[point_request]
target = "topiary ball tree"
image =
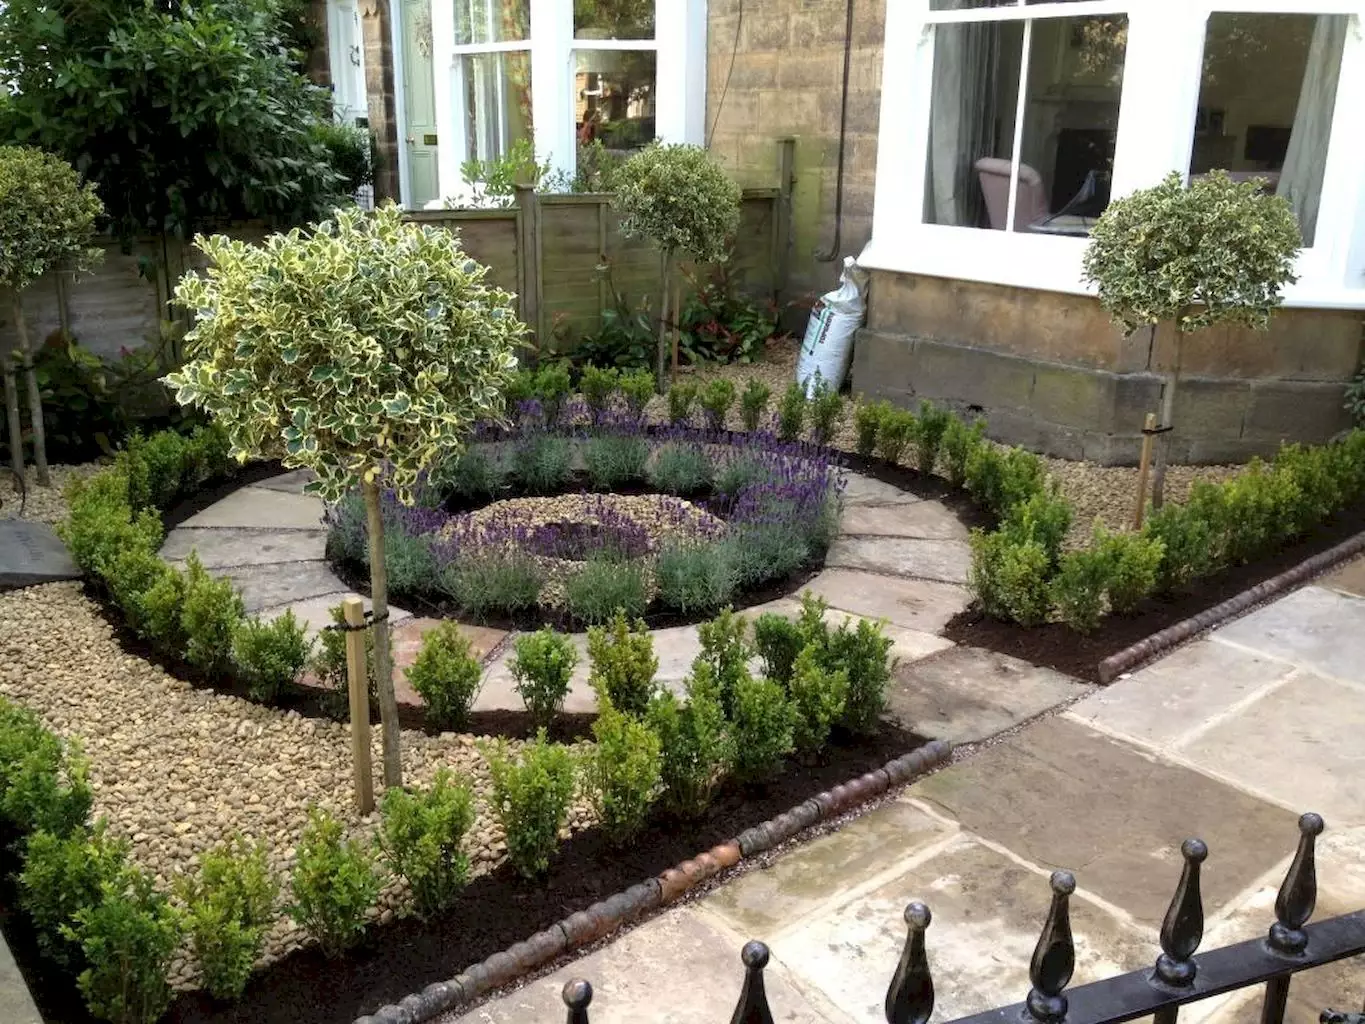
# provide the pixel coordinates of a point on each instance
(364, 350)
(1217, 251)
(47, 224)
(679, 198)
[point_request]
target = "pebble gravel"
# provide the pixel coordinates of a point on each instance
(42, 504)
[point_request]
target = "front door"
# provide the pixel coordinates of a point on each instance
(419, 95)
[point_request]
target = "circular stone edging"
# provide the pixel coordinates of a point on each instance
(606, 916)
(1161, 642)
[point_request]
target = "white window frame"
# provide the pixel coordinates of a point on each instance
(1155, 135)
(680, 83)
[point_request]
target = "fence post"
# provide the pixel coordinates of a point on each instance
(358, 685)
(528, 262)
(782, 216)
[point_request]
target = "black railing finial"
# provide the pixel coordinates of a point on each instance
(753, 1000)
(910, 999)
(1054, 958)
(1298, 893)
(1183, 927)
(577, 995)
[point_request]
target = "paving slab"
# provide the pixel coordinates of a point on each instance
(1348, 579)
(864, 490)
(782, 895)
(1179, 695)
(925, 605)
(315, 612)
(907, 645)
(16, 1004)
(1302, 741)
(1320, 629)
(946, 561)
(927, 519)
(407, 643)
(1061, 795)
(266, 586)
(967, 694)
(678, 968)
(987, 911)
(261, 508)
(220, 547)
(292, 482)
(31, 553)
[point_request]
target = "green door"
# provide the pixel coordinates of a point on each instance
(419, 95)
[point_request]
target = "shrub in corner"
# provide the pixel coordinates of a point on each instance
(446, 675)
(623, 663)
(697, 747)
(542, 668)
(763, 722)
(621, 774)
(422, 836)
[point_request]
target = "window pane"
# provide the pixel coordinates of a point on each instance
(492, 21)
(1070, 116)
(614, 19)
(497, 103)
(1265, 103)
(614, 97)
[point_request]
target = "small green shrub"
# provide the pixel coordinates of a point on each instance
(127, 940)
(161, 605)
(44, 783)
(270, 655)
(960, 440)
(1355, 398)
(862, 652)
(753, 403)
(102, 524)
(763, 722)
(61, 875)
(621, 775)
(616, 459)
(336, 882)
(1078, 589)
(623, 664)
(725, 648)
(598, 384)
(531, 798)
(329, 664)
(210, 616)
(1002, 480)
(895, 431)
(778, 640)
(229, 908)
(153, 466)
(696, 576)
(681, 468)
(681, 397)
(826, 413)
(1135, 562)
(130, 577)
(486, 584)
(446, 676)
(542, 463)
(637, 388)
(715, 399)
(1009, 576)
(791, 413)
(819, 698)
(933, 425)
(1045, 517)
(696, 746)
(552, 387)
(604, 586)
(867, 422)
(542, 669)
(422, 836)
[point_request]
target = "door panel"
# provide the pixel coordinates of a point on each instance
(419, 96)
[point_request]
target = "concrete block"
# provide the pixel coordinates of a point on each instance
(1283, 410)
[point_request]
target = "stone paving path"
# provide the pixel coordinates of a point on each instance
(1228, 738)
(897, 557)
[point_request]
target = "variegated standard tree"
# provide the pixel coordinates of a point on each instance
(364, 350)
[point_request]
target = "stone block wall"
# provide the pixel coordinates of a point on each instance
(777, 71)
(1050, 372)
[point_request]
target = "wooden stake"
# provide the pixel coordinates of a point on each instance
(358, 684)
(1144, 466)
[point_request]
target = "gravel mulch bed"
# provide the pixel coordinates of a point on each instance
(43, 504)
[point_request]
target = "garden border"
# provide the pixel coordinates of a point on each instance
(607, 916)
(1160, 642)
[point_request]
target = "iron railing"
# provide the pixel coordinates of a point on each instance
(1180, 976)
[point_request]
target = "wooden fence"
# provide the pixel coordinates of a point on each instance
(548, 249)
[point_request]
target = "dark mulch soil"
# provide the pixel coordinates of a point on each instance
(495, 911)
(1079, 654)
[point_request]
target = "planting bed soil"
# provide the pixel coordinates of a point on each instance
(1079, 654)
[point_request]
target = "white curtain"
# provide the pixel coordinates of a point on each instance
(962, 120)
(1301, 178)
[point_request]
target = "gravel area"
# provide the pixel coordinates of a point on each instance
(178, 770)
(43, 504)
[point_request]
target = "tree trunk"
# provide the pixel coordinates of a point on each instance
(383, 662)
(1163, 451)
(16, 428)
(35, 398)
(661, 350)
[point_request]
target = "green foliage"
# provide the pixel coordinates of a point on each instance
(933, 425)
(616, 459)
(210, 615)
(819, 698)
(1001, 480)
(598, 384)
(153, 466)
(553, 386)
(543, 669)
(485, 584)
(960, 441)
(623, 663)
(1009, 576)
(1115, 573)
(494, 182)
(1045, 517)
(826, 412)
(622, 773)
(47, 216)
(102, 523)
(681, 397)
(896, 428)
(127, 939)
(422, 834)
(1217, 251)
(1078, 589)
(862, 653)
(43, 783)
(695, 741)
(625, 339)
(681, 468)
(637, 388)
(60, 876)
(270, 655)
(335, 884)
(423, 353)
(695, 576)
(716, 398)
(542, 463)
(473, 474)
(778, 641)
(753, 403)
(133, 574)
(867, 423)
(161, 607)
(351, 153)
(1355, 399)
(791, 413)
(531, 798)
(229, 908)
(719, 323)
(726, 651)
(678, 197)
(604, 586)
(446, 676)
(1134, 562)
(764, 723)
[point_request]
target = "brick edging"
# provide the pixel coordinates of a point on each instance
(606, 916)
(1114, 665)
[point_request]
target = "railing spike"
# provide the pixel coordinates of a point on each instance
(577, 995)
(910, 998)
(1054, 958)
(753, 1000)
(1299, 891)
(1183, 927)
